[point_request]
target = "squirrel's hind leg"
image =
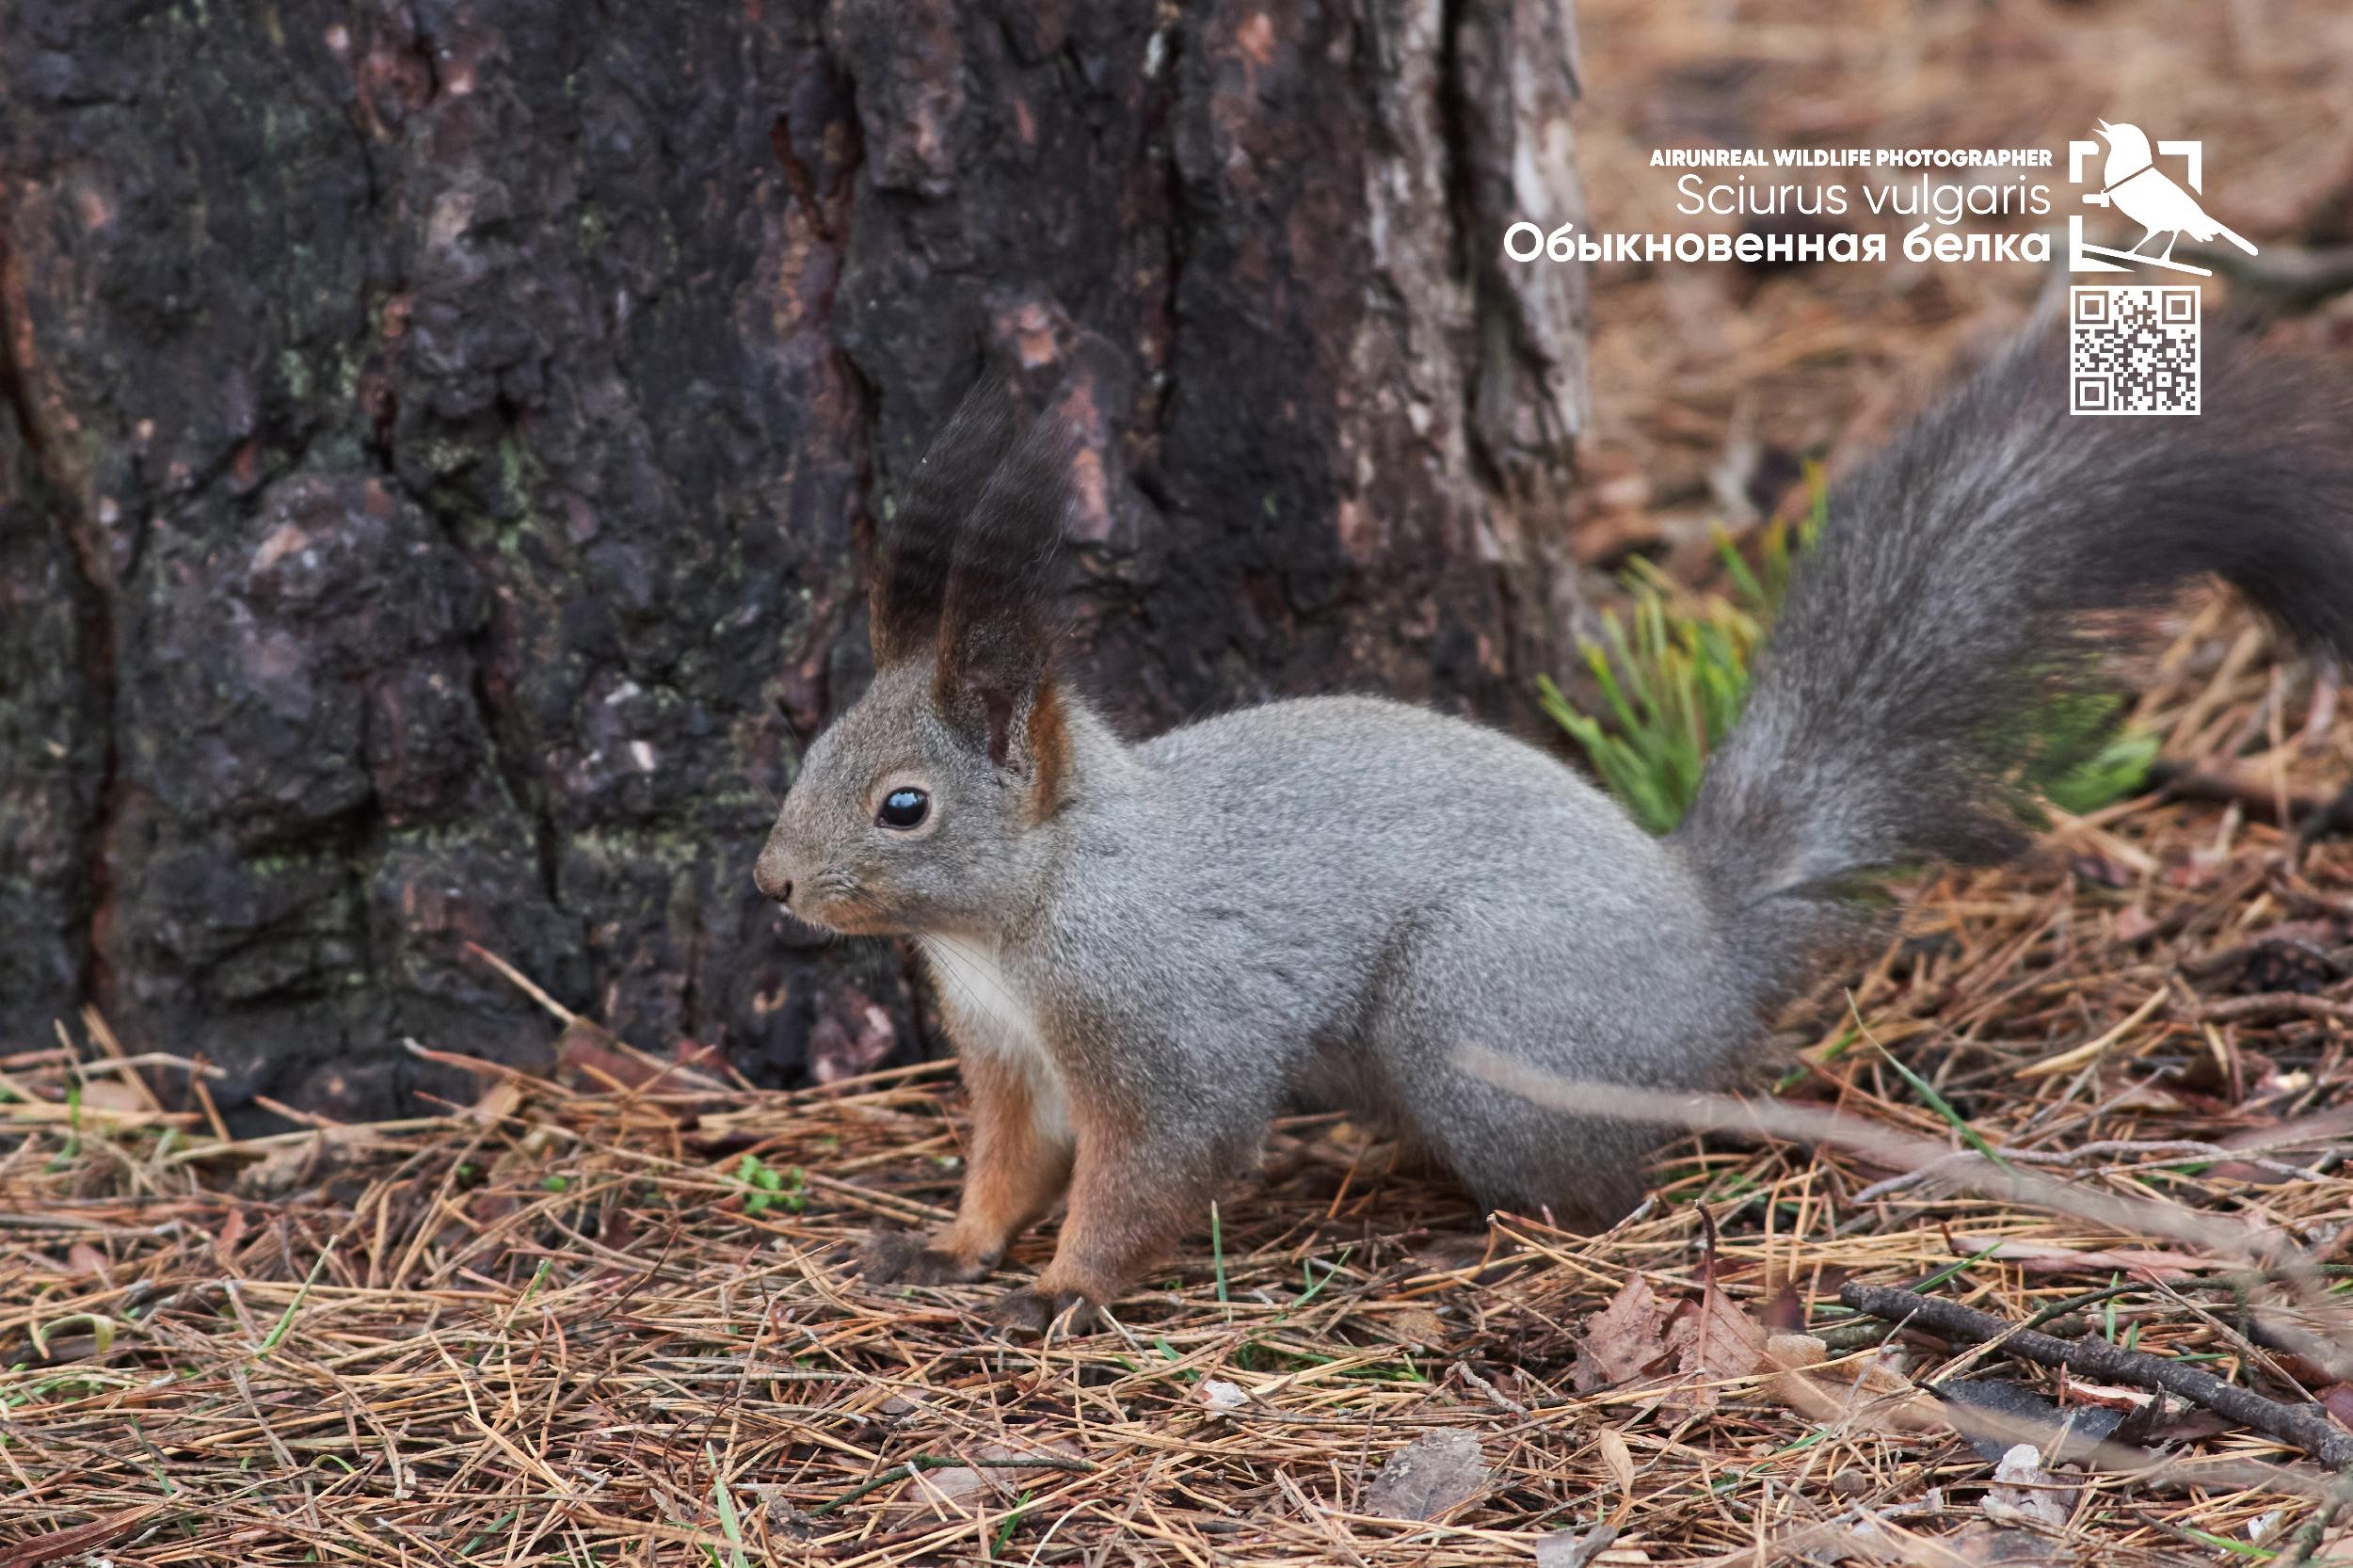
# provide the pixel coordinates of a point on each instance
(1496, 982)
(1016, 1166)
(1581, 1172)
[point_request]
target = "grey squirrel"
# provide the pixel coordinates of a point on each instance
(1142, 950)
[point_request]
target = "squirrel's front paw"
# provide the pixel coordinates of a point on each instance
(1033, 1311)
(900, 1257)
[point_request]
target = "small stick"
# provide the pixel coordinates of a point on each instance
(2264, 1005)
(679, 1074)
(524, 984)
(96, 1023)
(2307, 1429)
(2067, 1061)
(2258, 796)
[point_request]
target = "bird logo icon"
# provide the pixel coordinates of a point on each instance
(2142, 192)
(2132, 184)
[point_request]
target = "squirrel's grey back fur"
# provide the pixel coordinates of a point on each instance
(1142, 950)
(1333, 895)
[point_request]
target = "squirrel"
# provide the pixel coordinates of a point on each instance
(1143, 951)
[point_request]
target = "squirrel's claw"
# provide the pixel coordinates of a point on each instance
(1031, 1312)
(900, 1257)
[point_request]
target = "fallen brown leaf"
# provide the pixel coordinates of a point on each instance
(1624, 1339)
(1713, 1343)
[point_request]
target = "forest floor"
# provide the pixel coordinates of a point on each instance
(610, 1317)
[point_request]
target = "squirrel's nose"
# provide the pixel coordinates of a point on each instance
(768, 878)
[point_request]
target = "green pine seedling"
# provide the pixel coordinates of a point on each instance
(1673, 673)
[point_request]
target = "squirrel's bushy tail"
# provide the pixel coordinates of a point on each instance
(1902, 710)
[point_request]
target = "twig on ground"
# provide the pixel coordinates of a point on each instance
(2273, 1004)
(1948, 1320)
(523, 982)
(2261, 797)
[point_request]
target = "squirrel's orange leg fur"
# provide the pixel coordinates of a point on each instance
(1129, 1199)
(1013, 1171)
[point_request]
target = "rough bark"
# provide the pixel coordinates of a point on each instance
(442, 433)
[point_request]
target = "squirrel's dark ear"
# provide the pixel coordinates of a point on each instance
(998, 624)
(915, 549)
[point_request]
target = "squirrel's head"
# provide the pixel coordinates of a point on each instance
(913, 812)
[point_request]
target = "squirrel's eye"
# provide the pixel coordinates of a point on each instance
(904, 808)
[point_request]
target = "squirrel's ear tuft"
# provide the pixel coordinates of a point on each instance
(915, 550)
(998, 624)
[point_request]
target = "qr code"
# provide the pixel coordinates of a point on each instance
(2133, 350)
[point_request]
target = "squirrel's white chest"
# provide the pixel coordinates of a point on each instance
(987, 1011)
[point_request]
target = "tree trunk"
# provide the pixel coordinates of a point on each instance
(443, 432)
